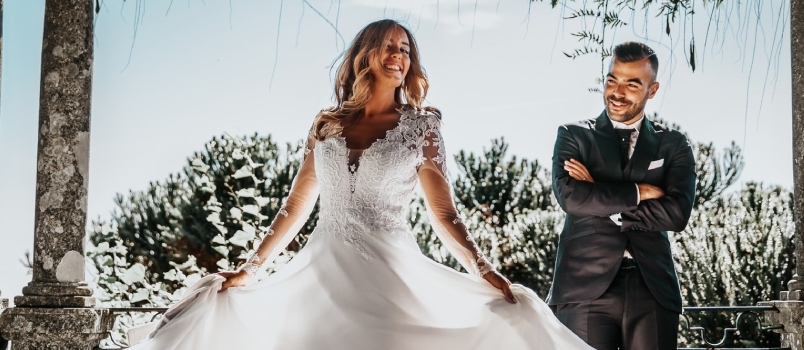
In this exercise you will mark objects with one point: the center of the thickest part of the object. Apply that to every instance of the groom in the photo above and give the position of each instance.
(623, 181)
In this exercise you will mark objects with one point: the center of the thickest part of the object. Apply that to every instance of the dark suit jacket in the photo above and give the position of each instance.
(591, 245)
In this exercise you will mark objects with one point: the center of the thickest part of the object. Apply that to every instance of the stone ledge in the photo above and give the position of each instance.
(791, 295)
(55, 328)
(55, 301)
(57, 289)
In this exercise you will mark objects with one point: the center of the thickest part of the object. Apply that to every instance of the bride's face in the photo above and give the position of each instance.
(390, 62)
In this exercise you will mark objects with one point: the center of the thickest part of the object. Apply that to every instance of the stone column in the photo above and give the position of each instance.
(56, 308)
(791, 303)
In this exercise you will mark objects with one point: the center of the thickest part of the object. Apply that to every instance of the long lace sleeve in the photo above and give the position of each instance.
(292, 215)
(444, 218)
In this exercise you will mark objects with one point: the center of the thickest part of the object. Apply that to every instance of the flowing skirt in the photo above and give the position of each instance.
(331, 297)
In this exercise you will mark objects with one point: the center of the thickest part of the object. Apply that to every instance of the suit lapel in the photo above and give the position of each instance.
(646, 147)
(607, 145)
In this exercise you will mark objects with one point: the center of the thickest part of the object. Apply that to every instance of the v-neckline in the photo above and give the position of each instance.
(371, 145)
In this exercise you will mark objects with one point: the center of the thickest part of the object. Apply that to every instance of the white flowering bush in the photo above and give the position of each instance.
(121, 283)
(207, 219)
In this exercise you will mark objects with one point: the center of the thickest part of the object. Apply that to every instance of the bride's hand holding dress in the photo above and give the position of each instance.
(237, 278)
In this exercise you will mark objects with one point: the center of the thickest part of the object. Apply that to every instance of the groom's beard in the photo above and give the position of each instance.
(629, 114)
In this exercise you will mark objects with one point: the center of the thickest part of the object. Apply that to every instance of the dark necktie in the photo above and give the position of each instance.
(624, 137)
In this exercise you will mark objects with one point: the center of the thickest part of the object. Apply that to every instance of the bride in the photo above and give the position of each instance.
(361, 282)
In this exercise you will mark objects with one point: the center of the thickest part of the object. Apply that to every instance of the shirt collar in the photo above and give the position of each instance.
(637, 125)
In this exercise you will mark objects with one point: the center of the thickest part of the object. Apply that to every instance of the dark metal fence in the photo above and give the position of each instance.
(747, 320)
(123, 310)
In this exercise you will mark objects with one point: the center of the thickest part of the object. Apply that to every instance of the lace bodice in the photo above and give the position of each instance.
(369, 194)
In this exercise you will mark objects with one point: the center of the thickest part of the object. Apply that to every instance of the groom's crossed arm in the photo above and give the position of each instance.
(672, 211)
(583, 198)
(668, 213)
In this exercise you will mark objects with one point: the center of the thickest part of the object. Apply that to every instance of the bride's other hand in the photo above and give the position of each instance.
(235, 279)
(500, 282)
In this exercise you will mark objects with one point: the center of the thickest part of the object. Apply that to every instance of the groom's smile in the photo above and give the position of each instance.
(629, 86)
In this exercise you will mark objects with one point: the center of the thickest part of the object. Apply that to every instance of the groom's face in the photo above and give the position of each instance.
(629, 86)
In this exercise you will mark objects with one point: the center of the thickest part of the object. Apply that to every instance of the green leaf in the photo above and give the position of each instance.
(246, 192)
(222, 229)
(134, 274)
(262, 201)
(252, 209)
(214, 218)
(245, 171)
(224, 250)
(219, 239)
(249, 229)
(237, 154)
(199, 165)
(140, 295)
(242, 238)
(235, 213)
(223, 264)
(102, 248)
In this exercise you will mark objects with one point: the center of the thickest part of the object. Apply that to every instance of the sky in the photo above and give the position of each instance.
(170, 75)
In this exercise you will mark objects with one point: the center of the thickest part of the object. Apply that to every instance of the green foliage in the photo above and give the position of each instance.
(737, 250)
(215, 211)
(509, 211)
(120, 282)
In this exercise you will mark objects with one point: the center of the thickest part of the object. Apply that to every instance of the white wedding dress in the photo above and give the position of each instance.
(361, 282)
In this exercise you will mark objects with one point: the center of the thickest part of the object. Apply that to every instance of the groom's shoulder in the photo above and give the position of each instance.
(670, 133)
(586, 124)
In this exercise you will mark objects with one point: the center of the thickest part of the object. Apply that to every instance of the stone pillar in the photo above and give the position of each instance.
(791, 303)
(56, 308)
(3, 302)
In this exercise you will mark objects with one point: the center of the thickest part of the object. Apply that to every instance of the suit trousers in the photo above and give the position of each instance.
(626, 317)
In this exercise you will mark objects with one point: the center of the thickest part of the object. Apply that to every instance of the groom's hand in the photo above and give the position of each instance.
(500, 282)
(578, 171)
(648, 191)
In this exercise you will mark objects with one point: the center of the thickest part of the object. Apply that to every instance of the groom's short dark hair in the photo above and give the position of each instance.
(633, 51)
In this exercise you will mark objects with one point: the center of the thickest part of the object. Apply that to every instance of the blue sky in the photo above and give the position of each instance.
(168, 79)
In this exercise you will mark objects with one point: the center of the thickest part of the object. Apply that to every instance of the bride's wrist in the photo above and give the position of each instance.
(483, 265)
(252, 265)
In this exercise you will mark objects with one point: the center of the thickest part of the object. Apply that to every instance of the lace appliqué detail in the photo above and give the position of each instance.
(433, 131)
(252, 265)
(372, 195)
(483, 265)
(356, 240)
(283, 211)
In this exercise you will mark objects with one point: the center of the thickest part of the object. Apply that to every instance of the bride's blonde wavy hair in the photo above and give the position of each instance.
(353, 81)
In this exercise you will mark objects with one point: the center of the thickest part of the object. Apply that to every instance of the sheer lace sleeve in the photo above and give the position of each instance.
(292, 215)
(444, 218)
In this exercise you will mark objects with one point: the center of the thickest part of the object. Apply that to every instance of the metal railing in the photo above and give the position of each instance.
(741, 317)
(114, 311)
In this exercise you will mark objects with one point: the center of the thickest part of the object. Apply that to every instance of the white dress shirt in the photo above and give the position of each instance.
(617, 218)
(634, 134)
